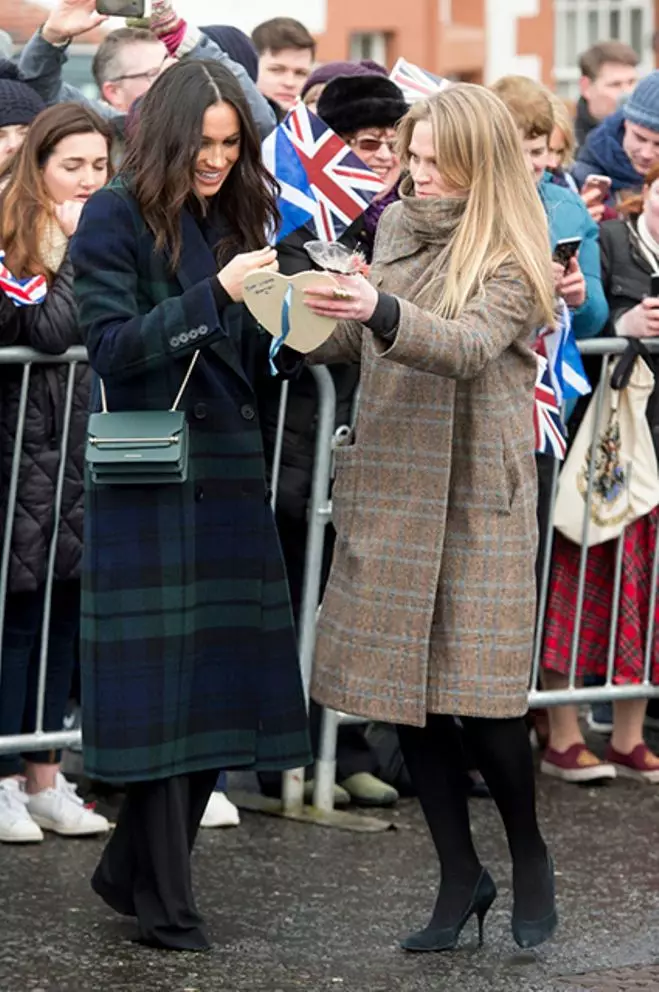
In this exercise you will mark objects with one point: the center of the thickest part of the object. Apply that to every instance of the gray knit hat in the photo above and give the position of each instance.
(19, 103)
(642, 108)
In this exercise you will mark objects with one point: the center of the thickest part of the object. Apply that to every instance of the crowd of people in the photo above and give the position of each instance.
(129, 223)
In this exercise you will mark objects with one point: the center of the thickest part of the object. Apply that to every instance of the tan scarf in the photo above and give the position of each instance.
(54, 244)
(434, 221)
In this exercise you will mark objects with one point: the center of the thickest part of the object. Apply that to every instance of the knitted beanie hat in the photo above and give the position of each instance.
(642, 108)
(237, 45)
(330, 70)
(349, 103)
(19, 104)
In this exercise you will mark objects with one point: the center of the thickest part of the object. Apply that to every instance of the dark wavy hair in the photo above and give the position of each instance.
(162, 152)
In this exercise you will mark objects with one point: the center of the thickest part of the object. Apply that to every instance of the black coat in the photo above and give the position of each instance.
(626, 280)
(50, 327)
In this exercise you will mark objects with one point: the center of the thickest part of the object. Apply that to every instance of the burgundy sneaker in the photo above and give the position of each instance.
(641, 765)
(577, 764)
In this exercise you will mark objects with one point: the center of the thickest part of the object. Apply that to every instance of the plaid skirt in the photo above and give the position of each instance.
(638, 550)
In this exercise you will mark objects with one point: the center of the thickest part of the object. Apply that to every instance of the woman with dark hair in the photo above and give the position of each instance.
(188, 650)
(63, 160)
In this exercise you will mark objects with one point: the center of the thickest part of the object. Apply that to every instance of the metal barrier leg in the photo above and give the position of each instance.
(325, 775)
(292, 805)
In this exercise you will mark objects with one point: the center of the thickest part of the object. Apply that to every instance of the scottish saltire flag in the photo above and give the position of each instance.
(22, 292)
(416, 83)
(559, 347)
(342, 185)
(296, 202)
(550, 437)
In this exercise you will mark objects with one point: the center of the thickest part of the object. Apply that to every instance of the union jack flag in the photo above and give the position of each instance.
(416, 83)
(22, 292)
(342, 185)
(547, 420)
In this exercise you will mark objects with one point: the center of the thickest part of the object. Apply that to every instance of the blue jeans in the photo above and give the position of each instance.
(19, 677)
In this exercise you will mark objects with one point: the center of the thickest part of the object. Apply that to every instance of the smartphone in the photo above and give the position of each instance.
(566, 249)
(124, 8)
(601, 183)
(654, 284)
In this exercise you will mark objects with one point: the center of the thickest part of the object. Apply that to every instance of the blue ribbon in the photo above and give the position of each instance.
(285, 328)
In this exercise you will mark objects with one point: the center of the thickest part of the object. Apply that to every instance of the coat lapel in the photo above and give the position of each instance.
(196, 263)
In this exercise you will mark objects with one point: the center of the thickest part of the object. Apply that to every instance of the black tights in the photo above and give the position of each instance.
(502, 753)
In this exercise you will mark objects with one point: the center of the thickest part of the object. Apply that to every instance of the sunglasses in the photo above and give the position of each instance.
(374, 144)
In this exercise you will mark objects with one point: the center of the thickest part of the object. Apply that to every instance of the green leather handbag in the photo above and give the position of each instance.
(139, 447)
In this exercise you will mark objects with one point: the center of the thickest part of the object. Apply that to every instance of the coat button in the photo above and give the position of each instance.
(198, 494)
(247, 412)
(200, 411)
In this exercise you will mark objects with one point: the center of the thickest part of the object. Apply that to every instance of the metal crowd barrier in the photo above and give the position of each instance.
(26, 357)
(319, 516)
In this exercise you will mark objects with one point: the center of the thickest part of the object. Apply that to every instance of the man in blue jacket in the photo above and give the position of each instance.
(626, 145)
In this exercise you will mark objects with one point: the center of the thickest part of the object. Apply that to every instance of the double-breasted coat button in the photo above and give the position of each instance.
(183, 337)
(198, 494)
(200, 411)
(247, 412)
(174, 342)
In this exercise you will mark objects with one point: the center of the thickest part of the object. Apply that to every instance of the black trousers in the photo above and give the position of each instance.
(145, 868)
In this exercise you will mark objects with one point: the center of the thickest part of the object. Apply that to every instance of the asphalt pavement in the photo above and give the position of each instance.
(296, 907)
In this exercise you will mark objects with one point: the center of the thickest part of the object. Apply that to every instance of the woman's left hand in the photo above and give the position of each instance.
(355, 299)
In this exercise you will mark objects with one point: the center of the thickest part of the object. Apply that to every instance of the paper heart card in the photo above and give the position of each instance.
(277, 302)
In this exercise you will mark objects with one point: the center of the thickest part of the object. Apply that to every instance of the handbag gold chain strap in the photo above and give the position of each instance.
(179, 395)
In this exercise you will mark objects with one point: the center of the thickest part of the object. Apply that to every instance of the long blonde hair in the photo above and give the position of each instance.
(563, 122)
(478, 148)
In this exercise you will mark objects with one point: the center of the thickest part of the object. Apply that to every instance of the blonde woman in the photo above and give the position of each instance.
(562, 145)
(430, 607)
(562, 142)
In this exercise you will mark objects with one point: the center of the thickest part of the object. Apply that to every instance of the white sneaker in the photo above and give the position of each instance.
(16, 824)
(62, 810)
(220, 812)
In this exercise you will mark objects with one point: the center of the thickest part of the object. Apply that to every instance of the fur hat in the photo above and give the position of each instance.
(330, 70)
(349, 103)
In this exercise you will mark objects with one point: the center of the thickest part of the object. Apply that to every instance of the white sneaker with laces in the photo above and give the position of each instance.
(63, 811)
(16, 824)
(220, 812)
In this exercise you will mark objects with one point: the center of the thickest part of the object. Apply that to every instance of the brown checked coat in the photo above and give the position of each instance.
(430, 606)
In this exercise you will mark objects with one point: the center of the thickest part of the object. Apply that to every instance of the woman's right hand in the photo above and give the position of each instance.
(642, 321)
(233, 275)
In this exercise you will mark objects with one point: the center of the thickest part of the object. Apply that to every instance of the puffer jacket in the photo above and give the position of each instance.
(50, 327)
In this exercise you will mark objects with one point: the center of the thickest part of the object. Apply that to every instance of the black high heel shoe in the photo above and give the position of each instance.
(445, 938)
(531, 933)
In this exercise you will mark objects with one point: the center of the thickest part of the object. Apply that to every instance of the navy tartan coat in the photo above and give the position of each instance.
(189, 659)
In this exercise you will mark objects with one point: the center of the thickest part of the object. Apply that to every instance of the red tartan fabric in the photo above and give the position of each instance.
(638, 550)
